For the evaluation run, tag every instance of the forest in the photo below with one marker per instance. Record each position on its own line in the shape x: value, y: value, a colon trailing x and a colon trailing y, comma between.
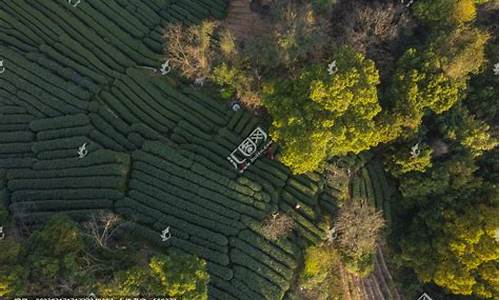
x: 263, y: 149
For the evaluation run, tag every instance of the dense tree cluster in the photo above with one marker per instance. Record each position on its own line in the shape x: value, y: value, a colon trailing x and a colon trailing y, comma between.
x: 416, y: 84
x: 449, y: 205
x: 62, y: 259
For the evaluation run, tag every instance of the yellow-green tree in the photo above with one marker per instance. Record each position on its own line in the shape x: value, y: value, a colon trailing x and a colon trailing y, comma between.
x: 173, y: 275
x: 410, y: 157
x: 323, y: 114
x: 320, y: 278
x: 460, y: 52
x: 181, y: 276
x: 463, y: 256
x: 451, y: 238
x: 419, y: 86
x: 467, y: 249
x: 447, y: 12
x: 473, y: 134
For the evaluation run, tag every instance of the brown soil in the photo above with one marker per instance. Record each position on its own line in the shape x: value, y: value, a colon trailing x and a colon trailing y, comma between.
x: 242, y: 22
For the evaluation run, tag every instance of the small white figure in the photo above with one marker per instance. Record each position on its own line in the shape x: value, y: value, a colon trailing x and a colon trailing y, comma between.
x: 2, y: 68
x: 297, y: 206
x: 235, y: 106
x: 82, y: 151
x: 275, y: 215
x: 76, y: 3
x: 409, y: 3
x: 495, y: 69
x: 332, y: 67
x: 415, y: 151
x: 332, y: 234
x: 200, y: 81
x: 2, y: 234
x: 165, y: 234
x: 165, y: 67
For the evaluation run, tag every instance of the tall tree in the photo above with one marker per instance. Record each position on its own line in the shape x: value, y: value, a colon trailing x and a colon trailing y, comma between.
x: 326, y: 111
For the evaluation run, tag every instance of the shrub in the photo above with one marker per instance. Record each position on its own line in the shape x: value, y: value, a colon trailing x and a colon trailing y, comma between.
x: 461, y: 52
x: 237, y: 82
x: 175, y: 275
x: 320, y: 278
x: 298, y: 33
x: 372, y: 28
x: 338, y: 179
x: 359, y: 228
x: 189, y: 48
x: 277, y: 226
x: 445, y: 12
x: 181, y: 276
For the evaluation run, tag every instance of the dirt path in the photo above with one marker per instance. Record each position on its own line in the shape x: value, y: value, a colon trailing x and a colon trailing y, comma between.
x: 242, y: 21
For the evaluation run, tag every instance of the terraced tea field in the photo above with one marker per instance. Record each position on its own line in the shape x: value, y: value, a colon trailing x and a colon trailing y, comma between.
x: 155, y: 150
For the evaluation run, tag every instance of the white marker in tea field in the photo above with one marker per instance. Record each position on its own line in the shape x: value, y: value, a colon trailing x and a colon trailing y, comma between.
x: 165, y: 234
x: 82, y: 151
x: 165, y: 67
x: 332, y: 67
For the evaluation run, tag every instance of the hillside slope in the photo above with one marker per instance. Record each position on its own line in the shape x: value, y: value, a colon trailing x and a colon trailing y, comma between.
x: 80, y: 75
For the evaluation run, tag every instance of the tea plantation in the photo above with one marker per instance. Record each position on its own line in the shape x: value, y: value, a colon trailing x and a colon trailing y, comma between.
x: 157, y: 149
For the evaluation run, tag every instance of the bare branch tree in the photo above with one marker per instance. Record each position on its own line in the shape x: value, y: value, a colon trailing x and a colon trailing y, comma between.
x: 277, y: 226
x: 189, y: 48
x: 102, y: 226
x: 359, y: 227
x: 372, y: 28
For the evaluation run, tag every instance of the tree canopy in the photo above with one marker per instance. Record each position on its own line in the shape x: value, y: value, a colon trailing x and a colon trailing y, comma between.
x: 325, y: 114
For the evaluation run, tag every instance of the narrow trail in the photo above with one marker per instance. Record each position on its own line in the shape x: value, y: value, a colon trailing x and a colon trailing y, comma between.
x: 241, y: 21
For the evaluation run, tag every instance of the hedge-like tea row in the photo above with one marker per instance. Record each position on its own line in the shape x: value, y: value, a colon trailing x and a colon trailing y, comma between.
x: 382, y: 189
x: 156, y: 149
x: 60, y: 205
